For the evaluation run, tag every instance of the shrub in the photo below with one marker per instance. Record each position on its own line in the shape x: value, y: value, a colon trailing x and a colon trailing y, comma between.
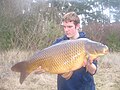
x: 108, y: 34
x: 113, y: 41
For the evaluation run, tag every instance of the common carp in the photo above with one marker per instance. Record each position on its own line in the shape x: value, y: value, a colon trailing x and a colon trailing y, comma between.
x: 61, y: 58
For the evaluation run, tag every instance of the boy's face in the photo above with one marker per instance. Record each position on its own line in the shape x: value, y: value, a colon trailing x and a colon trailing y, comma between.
x: 70, y: 29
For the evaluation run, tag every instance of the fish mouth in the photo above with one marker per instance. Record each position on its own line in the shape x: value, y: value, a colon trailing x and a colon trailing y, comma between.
x: 106, y: 50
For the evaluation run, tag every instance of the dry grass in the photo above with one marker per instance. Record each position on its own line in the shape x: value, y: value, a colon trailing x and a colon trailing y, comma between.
x: 108, y: 74
x: 106, y: 78
x: 10, y: 80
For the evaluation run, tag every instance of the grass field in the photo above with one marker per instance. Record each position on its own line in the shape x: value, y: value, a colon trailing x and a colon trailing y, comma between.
x: 106, y: 78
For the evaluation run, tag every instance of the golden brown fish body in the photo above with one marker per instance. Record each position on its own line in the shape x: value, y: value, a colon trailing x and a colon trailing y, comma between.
x: 59, y: 58
x: 63, y: 57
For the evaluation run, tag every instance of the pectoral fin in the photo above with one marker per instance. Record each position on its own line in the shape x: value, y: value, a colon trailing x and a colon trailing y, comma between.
x: 39, y: 70
x: 67, y: 75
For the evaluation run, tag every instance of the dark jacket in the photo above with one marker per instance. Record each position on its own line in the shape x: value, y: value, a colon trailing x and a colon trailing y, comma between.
x: 80, y: 80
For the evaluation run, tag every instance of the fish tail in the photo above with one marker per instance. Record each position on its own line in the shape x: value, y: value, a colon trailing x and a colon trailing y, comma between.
x: 22, y: 68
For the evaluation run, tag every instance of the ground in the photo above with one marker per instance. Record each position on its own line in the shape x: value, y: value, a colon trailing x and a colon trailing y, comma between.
x: 106, y: 78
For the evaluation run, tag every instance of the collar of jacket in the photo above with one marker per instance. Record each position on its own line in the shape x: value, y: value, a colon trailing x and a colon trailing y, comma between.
x: 81, y: 35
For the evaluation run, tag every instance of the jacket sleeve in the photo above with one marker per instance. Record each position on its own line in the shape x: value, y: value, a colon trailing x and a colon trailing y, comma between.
x: 56, y: 41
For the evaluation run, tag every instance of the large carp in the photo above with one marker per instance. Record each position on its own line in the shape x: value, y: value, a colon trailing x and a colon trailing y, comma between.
x: 61, y: 58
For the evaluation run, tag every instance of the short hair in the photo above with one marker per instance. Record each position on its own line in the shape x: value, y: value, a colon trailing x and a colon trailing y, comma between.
x: 71, y: 16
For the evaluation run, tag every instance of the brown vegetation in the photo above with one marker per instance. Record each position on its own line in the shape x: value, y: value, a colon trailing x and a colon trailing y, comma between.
x: 108, y: 34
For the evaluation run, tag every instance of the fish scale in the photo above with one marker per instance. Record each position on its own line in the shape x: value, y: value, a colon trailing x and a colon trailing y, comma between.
x: 61, y: 58
x: 55, y: 67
